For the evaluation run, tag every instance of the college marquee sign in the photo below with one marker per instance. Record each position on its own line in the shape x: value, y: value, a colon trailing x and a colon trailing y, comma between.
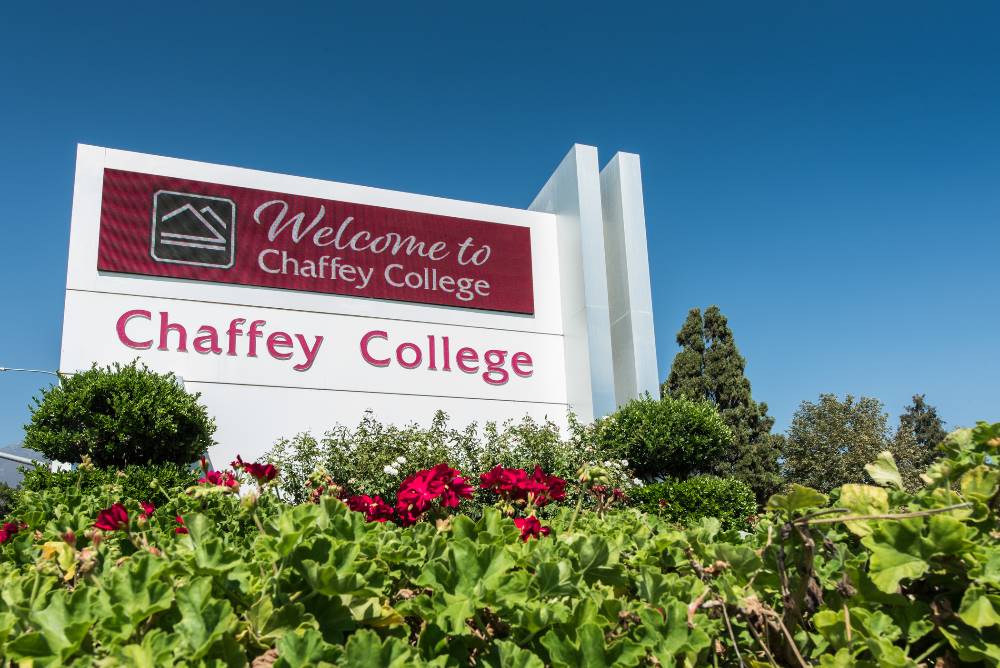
x: 180, y: 228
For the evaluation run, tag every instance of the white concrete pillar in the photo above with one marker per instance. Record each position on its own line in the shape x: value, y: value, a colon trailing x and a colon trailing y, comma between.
x: 629, y: 295
x: 573, y: 194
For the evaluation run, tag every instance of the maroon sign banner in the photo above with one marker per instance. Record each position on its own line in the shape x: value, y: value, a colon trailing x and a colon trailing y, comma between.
x: 177, y: 228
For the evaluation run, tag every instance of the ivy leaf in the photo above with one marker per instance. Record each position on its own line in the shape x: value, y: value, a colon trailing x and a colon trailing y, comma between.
x: 798, y: 497
x: 884, y: 470
x: 305, y: 649
x: 980, y: 483
x: 976, y: 610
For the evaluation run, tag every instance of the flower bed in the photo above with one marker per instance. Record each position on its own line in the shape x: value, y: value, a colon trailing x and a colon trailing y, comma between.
x: 870, y: 576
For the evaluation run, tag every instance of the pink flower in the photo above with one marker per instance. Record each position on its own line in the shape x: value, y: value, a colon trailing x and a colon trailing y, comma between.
x: 516, y: 485
x: 147, y: 509
x: 180, y: 529
x: 112, y: 518
x: 222, y: 479
x: 531, y: 528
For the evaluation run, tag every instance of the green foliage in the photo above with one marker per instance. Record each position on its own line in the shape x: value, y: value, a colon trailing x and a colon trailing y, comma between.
x: 374, y: 457
x: 915, y: 443
x: 8, y: 499
x: 119, y: 415
x: 688, y: 501
x: 665, y: 437
x: 863, y: 576
x: 153, y: 482
x: 709, y: 366
x: 829, y: 442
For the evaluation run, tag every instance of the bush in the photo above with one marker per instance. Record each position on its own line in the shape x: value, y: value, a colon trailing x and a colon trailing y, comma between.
x: 665, y: 438
x: 119, y: 415
x: 909, y: 579
x: 728, y: 500
x: 374, y: 457
x: 153, y: 482
x: 8, y: 499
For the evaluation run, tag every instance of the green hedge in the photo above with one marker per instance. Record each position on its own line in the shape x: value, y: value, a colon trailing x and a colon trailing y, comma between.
x: 729, y: 500
x: 154, y: 482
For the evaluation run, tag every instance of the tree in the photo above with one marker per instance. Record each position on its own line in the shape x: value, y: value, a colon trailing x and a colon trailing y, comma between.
x: 709, y: 366
x: 920, y: 431
x: 830, y: 441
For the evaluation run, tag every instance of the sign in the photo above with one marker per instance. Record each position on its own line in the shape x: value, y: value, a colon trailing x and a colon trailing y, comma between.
x: 181, y: 228
x: 295, y: 305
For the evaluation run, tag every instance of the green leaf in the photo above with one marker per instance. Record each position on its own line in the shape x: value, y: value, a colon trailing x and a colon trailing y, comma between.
x: 976, y: 610
x: 797, y: 498
x: 512, y: 656
x: 204, y: 620
x: 306, y: 649
x: 884, y: 470
x: 863, y: 500
x: 896, y: 554
x: 365, y: 648
x: 980, y: 483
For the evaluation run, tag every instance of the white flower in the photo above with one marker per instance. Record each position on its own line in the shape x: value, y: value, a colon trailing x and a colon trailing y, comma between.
x: 607, y: 464
x: 401, y: 459
x: 389, y: 470
x: 624, y: 462
x: 637, y: 482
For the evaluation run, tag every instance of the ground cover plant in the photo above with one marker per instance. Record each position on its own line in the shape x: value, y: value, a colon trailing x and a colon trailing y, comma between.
x: 869, y: 575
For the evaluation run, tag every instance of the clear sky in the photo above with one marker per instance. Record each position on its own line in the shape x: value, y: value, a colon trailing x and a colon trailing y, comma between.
x: 827, y: 172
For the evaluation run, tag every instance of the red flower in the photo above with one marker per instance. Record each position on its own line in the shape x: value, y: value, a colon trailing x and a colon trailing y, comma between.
x: 113, y: 518
x: 147, y: 509
x: 455, y: 487
x: 516, y: 485
x: 222, y: 479
x: 531, y: 528
x: 180, y: 529
x: 375, y: 509
x: 8, y: 530
x: 262, y: 472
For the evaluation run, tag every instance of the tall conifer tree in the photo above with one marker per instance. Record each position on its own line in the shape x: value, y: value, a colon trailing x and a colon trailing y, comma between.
x: 710, y: 366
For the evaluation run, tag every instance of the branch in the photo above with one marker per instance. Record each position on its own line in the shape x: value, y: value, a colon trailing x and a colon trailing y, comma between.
x: 896, y: 516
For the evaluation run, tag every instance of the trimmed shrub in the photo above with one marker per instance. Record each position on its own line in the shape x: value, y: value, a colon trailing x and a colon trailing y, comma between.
x: 728, y: 500
x: 154, y: 482
x: 665, y: 438
x: 119, y: 415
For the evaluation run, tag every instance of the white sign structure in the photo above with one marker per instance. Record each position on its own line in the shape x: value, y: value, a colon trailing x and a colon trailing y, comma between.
x: 292, y: 304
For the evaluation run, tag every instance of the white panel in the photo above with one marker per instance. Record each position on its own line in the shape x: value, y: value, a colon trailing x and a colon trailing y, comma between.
x: 92, y: 321
x: 573, y: 194
x: 627, y: 266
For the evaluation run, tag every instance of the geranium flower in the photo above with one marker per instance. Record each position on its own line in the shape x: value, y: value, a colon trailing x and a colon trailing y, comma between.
x: 264, y: 473
x: 455, y: 487
x: 112, y: 518
x: 375, y: 509
x: 531, y: 528
x: 147, y: 509
x: 222, y: 479
x: 180, y: 529
x: 8, y: 530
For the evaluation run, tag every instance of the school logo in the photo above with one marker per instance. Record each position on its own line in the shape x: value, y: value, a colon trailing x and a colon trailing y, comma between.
x: 193, y: 229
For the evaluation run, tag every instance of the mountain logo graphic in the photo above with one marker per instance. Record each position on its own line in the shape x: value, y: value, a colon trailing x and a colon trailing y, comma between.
x: 198, y: 230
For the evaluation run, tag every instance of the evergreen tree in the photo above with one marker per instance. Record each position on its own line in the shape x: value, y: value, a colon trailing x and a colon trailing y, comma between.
x: 709, y: 366
x: 914, y: 446
x: 687, y: 373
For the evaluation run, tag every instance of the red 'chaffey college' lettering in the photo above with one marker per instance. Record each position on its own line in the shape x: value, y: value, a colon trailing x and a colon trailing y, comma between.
x: 139, y: 329
x: 410, y: 355
x: 279, y: 345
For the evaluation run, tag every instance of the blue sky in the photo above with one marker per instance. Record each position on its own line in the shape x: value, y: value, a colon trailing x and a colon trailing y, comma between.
x: 827, y: 172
